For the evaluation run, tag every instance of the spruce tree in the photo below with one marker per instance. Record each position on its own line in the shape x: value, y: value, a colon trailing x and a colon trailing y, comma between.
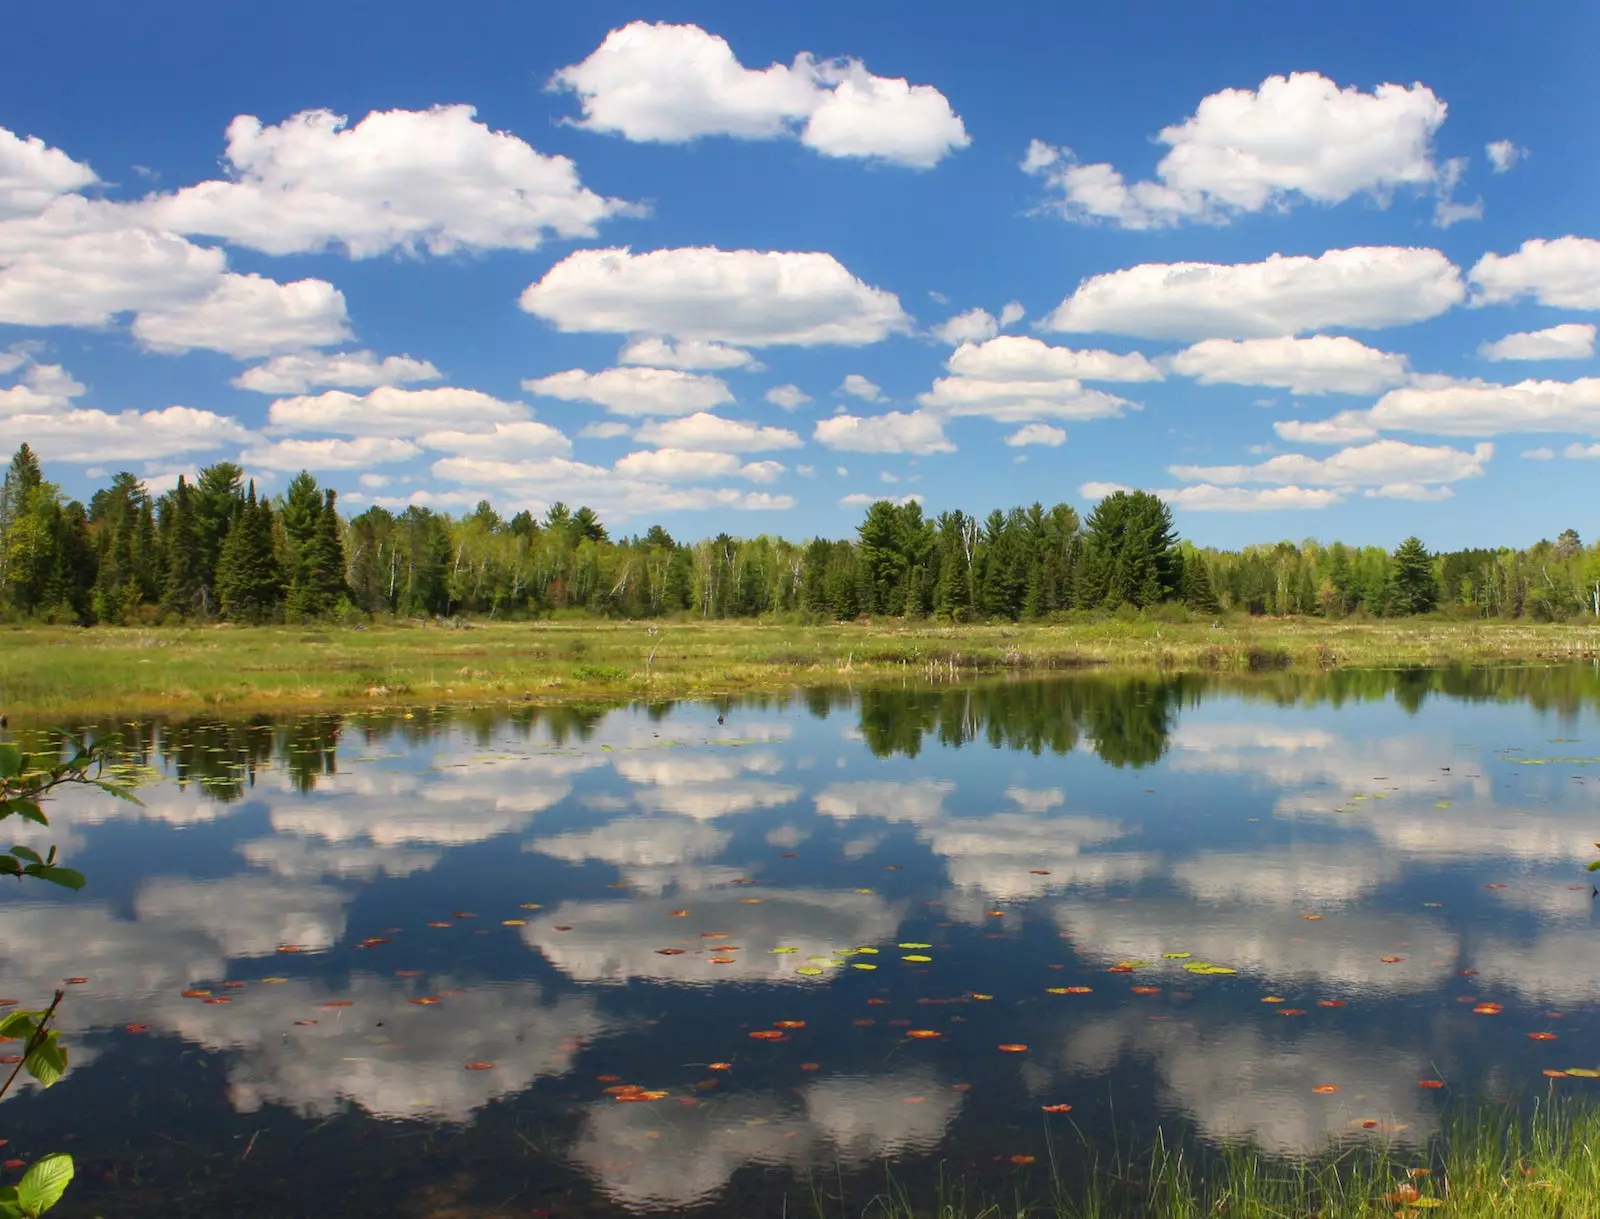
x: 217, y: 498
x: 182, y: 584
x: 248, y: 582
x: 302, y: 510
x: 1414, y: 586
x: 324, y: 562
x: 1198, y: 594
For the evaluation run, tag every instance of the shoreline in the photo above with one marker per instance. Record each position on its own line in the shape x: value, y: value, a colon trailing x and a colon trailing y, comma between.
x: 64, y: 671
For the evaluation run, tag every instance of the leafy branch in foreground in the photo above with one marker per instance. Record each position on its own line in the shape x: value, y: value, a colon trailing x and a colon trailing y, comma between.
x: 41, y: 1188
x: 25, y: 780
x: 43, y: 1055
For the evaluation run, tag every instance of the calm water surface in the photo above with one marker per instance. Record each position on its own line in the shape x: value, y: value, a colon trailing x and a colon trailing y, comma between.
x: 432, y: 940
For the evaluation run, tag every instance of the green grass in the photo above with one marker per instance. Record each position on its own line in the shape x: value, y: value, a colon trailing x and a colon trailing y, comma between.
x: 1486, y: 1165
x: 64, y: 671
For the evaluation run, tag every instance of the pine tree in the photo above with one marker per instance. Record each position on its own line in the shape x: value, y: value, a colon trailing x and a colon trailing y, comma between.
x: 302, y: 511
x: 1198, y: 593
x: 1414, y: 588
x: 324, y: 568
x: 218, y: 500
x: 1131, y: 553
x: 182, y: 584
x: 248, y: 582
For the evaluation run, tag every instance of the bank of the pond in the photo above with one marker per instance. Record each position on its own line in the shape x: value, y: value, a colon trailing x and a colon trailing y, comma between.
x: 1489, y: 1164
x: 66, y: 671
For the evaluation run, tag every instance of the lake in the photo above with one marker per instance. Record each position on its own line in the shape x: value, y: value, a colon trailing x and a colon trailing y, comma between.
x: 736, y: 957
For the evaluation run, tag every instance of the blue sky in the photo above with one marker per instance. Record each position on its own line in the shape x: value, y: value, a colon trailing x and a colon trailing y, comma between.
x: 659, y: 229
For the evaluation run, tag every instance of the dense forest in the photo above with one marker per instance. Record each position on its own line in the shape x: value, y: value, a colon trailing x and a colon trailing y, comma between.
x: 218, y: 549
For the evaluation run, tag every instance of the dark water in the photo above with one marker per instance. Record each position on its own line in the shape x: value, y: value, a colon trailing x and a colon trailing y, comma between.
x: 869, y: 863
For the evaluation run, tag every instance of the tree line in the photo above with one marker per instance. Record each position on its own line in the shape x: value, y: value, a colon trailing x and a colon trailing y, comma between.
x: 221, y: 549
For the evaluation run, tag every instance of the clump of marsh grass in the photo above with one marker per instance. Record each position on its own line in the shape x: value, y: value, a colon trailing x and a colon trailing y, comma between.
x: 1488, y: 1163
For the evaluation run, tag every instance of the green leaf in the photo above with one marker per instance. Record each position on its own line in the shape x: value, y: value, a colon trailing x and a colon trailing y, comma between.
x: 28, y: 810
x: 48, y: 1063
x: 42, y: 1185
x: 11, y: 760
x: 9, y: 865
x: 1595, y: 866
x: 19, y: 1024
x: 27, y: 853
x: 67, y: 878
x: 117, y: 790
x: 10, y: 1208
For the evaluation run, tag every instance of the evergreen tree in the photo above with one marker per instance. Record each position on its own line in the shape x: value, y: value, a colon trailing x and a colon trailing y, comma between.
x: 124, y: 544
x: 882, y: 558
x: 1131, y: 554
x: 248, y: 579
x: 1414, y: 588
x: 327, y: 567
x: 181, y: 587
x: 1198, y: 593
x: 301, y: 518
x: 217, y: 499
x: 72, y: 572
x: 302, y: 506
x: 587, y: 525
x: 957, y: 538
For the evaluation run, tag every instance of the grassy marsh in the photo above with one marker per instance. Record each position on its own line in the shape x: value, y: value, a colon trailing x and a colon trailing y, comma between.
x: 64, y: 671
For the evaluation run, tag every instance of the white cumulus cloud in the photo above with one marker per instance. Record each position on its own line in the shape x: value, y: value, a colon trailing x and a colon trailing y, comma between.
x: 32, y: 175
x: 1208, y: 498
x: 893, y: 432
x: 664, y: 83
x: 72, y: 268
x: 1568, y: 341
x: 248, y: 316
x: 390, y: 410
x: 748, y: 298
x: 1378, y: 464
x: 1564, y: 273
x: 635, y: 391
x: 1297, y: 137
x: 1503, y: 155
x: 1364, y: 288
x: 680, y: 465
x: 789, y: 397
x: 858, y: 386
x: 1321, y: 364
x: 42, y: 388
x: 1346, y: 428
x: 1038, y: 433
x: 1478, y: 408
x: 1018, y: 358
x: 506, y: 441
x: 712, y: 433
x: 357, y: 454
x: 692, y: 355
x: 302, y: 371
x: 98, y: 437
x: 973, y: 326
x: 407, y: 180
